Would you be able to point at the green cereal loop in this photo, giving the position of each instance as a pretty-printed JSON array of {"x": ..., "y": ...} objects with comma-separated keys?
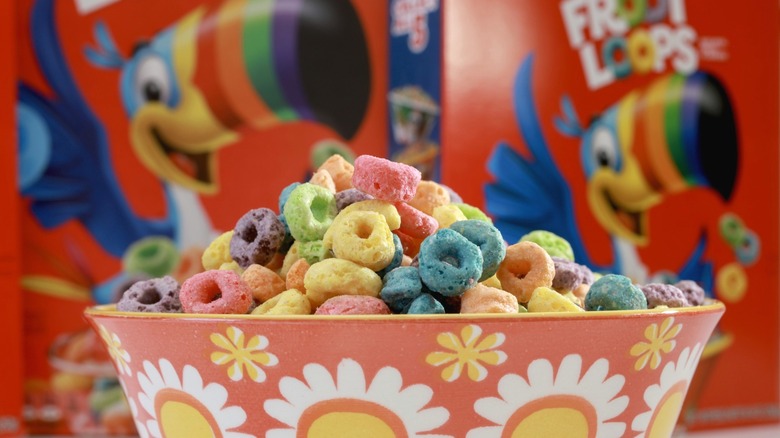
[
  {"x": 313, "y": 251},
  {"x": 325, "y": 149},
  {"x": 154, "y": 256},
  {"x": 309, "y": 211},
  {"x": 633, "y": 14},
  {"x": 555, "y": 245},
  {"x": 472, "y": 212},
  {"x": 105, "y": 398},
  {"x": 732, "y": 229},
  {"x": 521, "y": 309}
]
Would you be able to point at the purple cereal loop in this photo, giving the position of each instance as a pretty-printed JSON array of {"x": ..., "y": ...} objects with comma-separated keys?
[
  {"x": 692, "y": 291},
  {"x": 155, "y": 295},
  {"x": 661, "y": 294},
  {"x": 258, "y": 235},
  {"x": 347, "y": 197},
  {"x": 569, "y": 275}
]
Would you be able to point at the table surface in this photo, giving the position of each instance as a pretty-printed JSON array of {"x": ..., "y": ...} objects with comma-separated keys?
[{"x": 772, "y": 431}]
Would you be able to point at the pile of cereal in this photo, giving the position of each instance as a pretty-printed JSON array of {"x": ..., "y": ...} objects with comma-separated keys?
[{"x": 373, "y": 238}]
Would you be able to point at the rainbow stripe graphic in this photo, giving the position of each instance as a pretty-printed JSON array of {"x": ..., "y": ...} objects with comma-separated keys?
[
  {"x": 684, "y": 133},
  {"x": 264, "y": 62}
]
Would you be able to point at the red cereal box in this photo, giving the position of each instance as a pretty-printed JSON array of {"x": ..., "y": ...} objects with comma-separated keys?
[
  {"x": 11, "y": 310},
  {"x": 644, "y": 132},
  {"x": 151, "y": 127}
]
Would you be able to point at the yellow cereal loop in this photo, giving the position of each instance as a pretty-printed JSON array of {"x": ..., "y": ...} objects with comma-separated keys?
[
  {"x": 71, "y": 382},
  {"x": 544, "y": 299},
  {"x": 333, "y": 277},
  {"x": 218, "y": 252},
  {"x": 364, "y": 238},
  {"x": 292, "y": 256},
  {"x": 448, "y": 214},
  {"x": 323, "y": 179},
  {"x": 340, "y": 171},
  {"x": 731, "y": 282},
  {"x": 289, "y": 302},
  {"x": 571, "y": 296},
  {"x": 386, "y": 209},
  {"x": 492, "y": 282},
  {"x": 231, "y": 266},
  {"x": 428, "y": 196}
]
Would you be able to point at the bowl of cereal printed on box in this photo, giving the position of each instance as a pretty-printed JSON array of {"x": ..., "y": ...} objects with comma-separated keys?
[{"x": 372, "y": 303}]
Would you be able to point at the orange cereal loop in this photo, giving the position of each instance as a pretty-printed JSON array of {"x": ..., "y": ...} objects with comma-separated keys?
[
  {"x": 265, "y": 283},
  {"x": 485, "y": 299},
  {"x": 526, "y": 266},
  {"x": 428, "y": 196},
  {"x": 276, "y": 262},
  {"x": 580, "y": 291},
  {"x": 189, "y": 264},
  {"x": 295, "y": 275},
  {"x": 406, "y": 260},
  {"x": 340, "y": 171},
  {"x": 323, "y": 179},
  {"x": 410, "y": 244}
]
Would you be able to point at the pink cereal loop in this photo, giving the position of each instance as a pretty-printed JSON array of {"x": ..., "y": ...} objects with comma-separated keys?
[
  {"x": 215, "y": 291},
  {"x": 526, "y": 266},
  {"x": 415, "y": 223},
  {"x": 384, "y": 179}
]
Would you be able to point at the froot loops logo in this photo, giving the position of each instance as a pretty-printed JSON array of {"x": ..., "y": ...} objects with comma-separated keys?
[{"x": 617, "y": 38}]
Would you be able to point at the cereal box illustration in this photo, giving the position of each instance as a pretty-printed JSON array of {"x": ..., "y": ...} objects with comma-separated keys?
[
  {"x": 145, "y": 129},
  {"x": 645, "y": 133},
  {"x": 415, "y": 91}
]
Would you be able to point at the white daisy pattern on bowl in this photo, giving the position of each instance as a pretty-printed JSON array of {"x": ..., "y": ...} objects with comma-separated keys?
[
  {"x": 549, "y": 403},
  {"x": 466, "y": 352},
  {"x": 241, "y": 354},
  {"x": 184, "y": 405},
  {"x": 661, "y": 341},
  {"x": 321, "y": 406},
  {"x": 139, "y": 426},
  {"x": 665, "y": 399},
  {"x": 119, "y": 355}
]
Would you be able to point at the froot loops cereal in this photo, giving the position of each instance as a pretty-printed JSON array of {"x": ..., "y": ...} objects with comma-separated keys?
[{"x": 373, "y": 238}]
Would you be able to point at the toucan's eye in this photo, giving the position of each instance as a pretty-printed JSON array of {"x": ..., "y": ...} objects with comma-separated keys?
[
  {"x": 152, "y": 80},
  {"x": 604, "y": 149}
]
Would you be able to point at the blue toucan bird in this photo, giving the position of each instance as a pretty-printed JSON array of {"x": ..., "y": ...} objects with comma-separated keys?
[
  {"x": 65, "y": 165},
  {"x": 529, "y": 192}
]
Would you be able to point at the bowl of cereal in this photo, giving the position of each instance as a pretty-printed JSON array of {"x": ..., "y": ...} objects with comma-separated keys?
[{"x": 376, "y": 304}]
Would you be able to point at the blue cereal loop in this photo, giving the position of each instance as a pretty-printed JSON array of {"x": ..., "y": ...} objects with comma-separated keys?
[
  {"x": 400, "y": 287},
  {"x": 489, "y": 241},
  {"x": 425, "y": 304},
  {"x": 747, "y": 251},
  {"x": 614, "y": 292},
  {"x": 398, "y": 257},
  {"x": 449, "y": 264}
]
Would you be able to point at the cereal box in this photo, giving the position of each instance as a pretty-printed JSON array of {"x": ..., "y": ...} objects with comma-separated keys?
[
  {"x": 151, "y": 127},
  {"x": 646, "y": 133},
  {"x": 11, "y": 310}
]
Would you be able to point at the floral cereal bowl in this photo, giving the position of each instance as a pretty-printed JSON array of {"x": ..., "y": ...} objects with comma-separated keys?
[{"x": 590, "y": 374}]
